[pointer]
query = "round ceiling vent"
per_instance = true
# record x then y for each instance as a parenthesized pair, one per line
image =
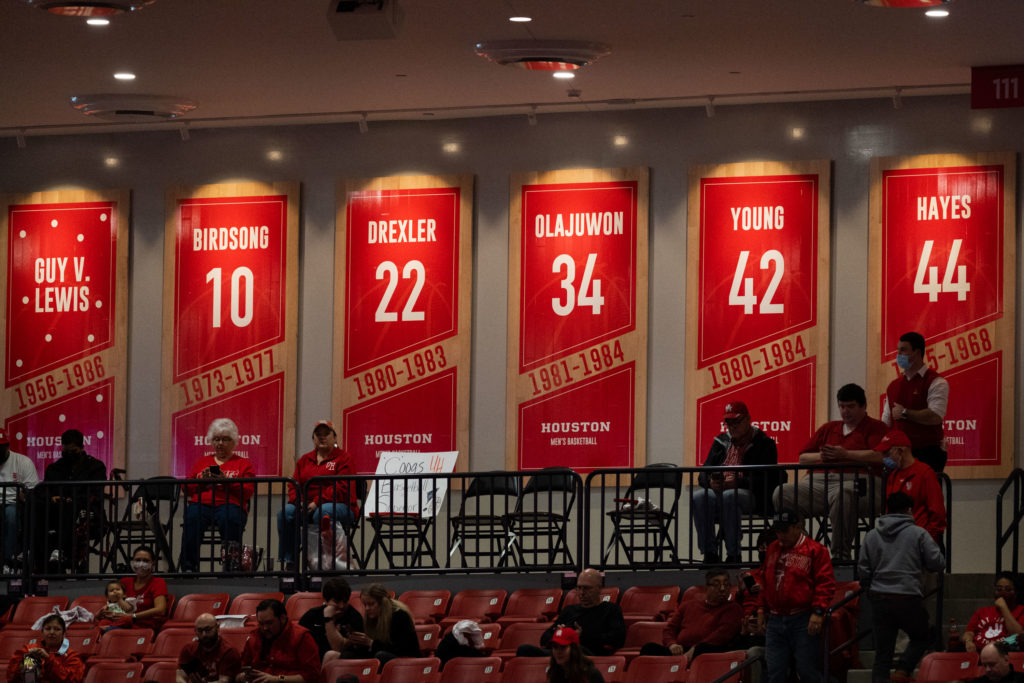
(132, 108)
(543, 55)
(87, 8)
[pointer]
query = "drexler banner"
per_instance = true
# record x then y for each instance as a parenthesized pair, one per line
(577, 353)
(230, 318)
(943, 264)
(402, 316)
(65, 275)
(757, 301)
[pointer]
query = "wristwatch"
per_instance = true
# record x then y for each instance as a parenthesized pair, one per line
(819, 611)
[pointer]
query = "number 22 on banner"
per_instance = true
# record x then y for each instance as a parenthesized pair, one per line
(390, 270)
(748, 299)
(590, 289)
(932, 287)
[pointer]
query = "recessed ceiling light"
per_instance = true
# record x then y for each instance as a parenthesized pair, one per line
(450, 147)
(124, 76)
(543, 55)
(275, 155)
(937, 13)
(98, 22)
(620, 140)
(564, 75)
(520, 20)
(112, 162)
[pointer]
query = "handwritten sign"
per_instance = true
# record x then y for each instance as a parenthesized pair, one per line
(421, 496)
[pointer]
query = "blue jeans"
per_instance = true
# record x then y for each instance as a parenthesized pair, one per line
(229, 518)
(286, 525)
(785, 637)
(10, 530)
(725, 507)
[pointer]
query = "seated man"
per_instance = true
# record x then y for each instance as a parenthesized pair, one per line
(15, 468)
(601, 625)
(725, 496)
(708, 624)
(331, 623)
(278, 650)
(995, 662)
(209, 657)
(917, 480)
(844, 494)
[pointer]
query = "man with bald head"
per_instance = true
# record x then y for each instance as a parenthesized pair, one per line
(208, 657)
(995, 663)
(600, 624)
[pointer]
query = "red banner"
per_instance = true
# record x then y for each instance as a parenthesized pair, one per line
(231, 328)
(578, 303)
(402, 307)
(757, 305)
(64, 325)
(943, 244)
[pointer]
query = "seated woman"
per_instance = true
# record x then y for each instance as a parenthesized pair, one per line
(224, 505)
(1005, 617)
(568, 663)
(118, 611)
(390, 631)
(148, 592)
(50, 661)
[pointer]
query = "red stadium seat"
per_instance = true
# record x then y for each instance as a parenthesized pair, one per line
(638, 634)
(648, 669)
(245, 603)
(427, 606)
(169, 643)
(412, 670)
(112, 672)
(92, 603)
(236, 637)
(939, 667)
(84, 641)
(363, 669)
(531, 604)
(519, 634)
(357, 603)
(649, 603)
(428, 635)
(526, 670)
(612, 669)
(33, 607)
(712, 665)
(124, 644)
(473, 670)
(300, 603)
(478, 605)
(11, 640)
(164, 671)
(608, 594)
(192, 605)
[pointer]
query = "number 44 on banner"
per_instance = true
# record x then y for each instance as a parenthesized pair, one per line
(931, 286)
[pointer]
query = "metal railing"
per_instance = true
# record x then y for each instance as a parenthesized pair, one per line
(1009, 532)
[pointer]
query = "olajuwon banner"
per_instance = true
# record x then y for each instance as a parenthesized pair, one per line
(65, 275)
(402, 307)
(230, 317)
(577, 353)
(757, 301)
(942, 257)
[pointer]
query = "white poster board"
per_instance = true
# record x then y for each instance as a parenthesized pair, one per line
(420, 496)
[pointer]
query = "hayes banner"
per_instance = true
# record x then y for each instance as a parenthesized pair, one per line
(942, 257)
(757, 301)
(577, 353)
(65, 275)
(402, 307)
(230, 314)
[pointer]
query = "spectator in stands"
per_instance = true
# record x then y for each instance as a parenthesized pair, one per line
(466, 639)
(793, 600)
(74, 509)
(49, 661)
(390, 631)
(278, 651)
(220, 503)
(333, 622)
(917, 480)
(1005, 617)
(568, 663)
(995, 662)
(337, 501)
(118, 611)
(915, 402)
(699, 625)
(724, 496)
(148, 591)
(844, 494)
(15, 468)
(209, 657)
(751, 583)
(601, 624)
(890, 564)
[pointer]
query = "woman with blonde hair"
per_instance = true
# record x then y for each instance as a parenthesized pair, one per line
(390, 631)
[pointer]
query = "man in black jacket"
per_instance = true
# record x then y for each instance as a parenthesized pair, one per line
(600, 624)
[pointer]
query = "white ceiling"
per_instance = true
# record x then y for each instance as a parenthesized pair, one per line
(276, 61)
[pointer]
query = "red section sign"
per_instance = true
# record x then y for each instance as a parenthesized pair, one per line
(757, 300)
(994, 87)
(61, 343)
(573, 381)
(402, 312)
(231, 342)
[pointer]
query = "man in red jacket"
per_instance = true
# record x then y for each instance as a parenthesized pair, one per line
(917, 480)
(799, 584)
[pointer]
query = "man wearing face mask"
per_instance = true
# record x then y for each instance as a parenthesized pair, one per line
(915, 402)
(917, 480)
(15, 468)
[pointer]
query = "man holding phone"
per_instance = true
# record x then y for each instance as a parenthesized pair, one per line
(209, 657)
(331, 623)
(278, 651)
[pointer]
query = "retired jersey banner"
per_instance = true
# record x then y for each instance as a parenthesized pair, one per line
(230, 315)
(757, 301)
(65, 275)
(402, 306)
(942, 257)
(577, 353)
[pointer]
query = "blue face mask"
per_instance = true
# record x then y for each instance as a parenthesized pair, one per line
(888, 463)
(903, 361)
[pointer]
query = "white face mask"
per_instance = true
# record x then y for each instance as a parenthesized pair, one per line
(141, 565)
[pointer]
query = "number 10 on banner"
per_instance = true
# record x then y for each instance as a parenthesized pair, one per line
(589, 293)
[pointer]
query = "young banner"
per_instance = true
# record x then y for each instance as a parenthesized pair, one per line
(757, 301)
(230, 318)
(577, 353)
(942, 257)
(402, 315)
(65, 275)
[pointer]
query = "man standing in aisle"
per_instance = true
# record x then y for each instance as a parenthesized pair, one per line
(799, 584)
(15, 468)
(917, 480)
(915, 403)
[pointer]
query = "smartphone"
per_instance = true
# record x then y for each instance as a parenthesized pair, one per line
(749, 582)
(215, 469)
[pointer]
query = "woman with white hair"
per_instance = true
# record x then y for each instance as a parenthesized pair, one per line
(217, 502)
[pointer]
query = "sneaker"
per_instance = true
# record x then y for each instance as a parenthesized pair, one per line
(733, 559)
(712, 558)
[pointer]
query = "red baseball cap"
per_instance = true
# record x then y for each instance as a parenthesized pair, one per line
(894, 438)
(324, 423)
(736, 409)
(566, 636)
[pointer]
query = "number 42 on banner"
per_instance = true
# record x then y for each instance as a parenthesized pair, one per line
(748, 298)
(932, 287)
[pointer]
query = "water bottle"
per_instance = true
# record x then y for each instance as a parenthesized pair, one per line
(30, 669)
(954, 643)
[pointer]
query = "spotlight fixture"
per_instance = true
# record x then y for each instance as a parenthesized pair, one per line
(88, 8)
(543, 55)
(132, 108)
(904, 3)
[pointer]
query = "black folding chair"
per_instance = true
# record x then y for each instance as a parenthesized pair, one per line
(540, 522)
(480, 529)
(641, 519)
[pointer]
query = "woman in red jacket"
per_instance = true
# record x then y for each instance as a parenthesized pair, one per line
(51, 661)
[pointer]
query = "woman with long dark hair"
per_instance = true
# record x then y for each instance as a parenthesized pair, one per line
(568, 663)
(49, 661)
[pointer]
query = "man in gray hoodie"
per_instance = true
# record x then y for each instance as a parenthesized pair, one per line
(891, 560)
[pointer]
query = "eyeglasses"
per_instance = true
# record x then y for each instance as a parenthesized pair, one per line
(587, 588)
(221, 439)
(720, 584)
(1005, 589)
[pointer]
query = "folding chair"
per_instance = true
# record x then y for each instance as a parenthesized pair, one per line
(539, 525)
(149, 525)
(641, 527)
(402, 536)
(412, 670)
(940, 667)
(480, 529)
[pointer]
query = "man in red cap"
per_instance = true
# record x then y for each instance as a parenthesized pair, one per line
(338, 501)
(15, 468)
(915, 402)
(916, 479)
(725, 495)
